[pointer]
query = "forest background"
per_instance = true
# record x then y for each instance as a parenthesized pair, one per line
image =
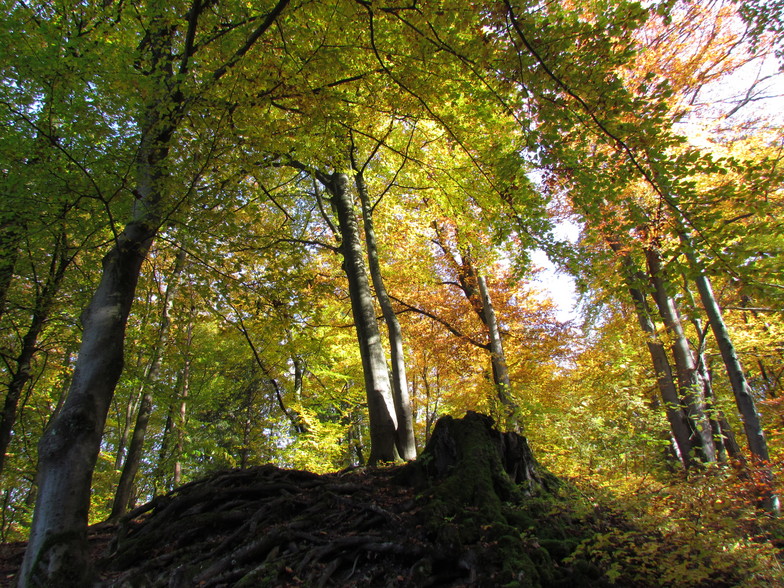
(173, 230)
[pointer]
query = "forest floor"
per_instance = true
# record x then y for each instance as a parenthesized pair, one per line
(442, 521)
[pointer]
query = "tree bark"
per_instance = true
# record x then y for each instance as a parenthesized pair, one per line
(678, 419)
(57, 551)
(42, 307)
(689, 381)
(381, 407)
(500, 370)
(744, 399)
(406, 443)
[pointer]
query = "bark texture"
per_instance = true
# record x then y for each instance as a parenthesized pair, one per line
(406, 443)
(381, 408)
(690, 384)
(665, 379)
(57, 553)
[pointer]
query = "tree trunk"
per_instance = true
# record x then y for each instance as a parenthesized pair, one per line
(10, 236)
(406, 443)
(57, 553)
(679, 421)
(498, 359)
(122, 496)
(381, 408)
(42, 307)
(179, 446)
(475, 289)
(743, 397)
(689, 382)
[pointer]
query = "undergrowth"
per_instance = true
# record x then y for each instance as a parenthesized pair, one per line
(700, 529)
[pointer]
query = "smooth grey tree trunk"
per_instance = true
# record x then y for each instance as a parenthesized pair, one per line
(381, 407)
(691, 386)
(124, 489)
(57, 553)
(744, 399)
(678, 419)
(406, 443)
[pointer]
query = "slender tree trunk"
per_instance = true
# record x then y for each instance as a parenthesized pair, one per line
(406, 443)
(690, 384)
(131, 408)
(42, 307)
(716, 419)
(247, 426)
(124, 492)
(10, 236)
(498, 359)
(135, 396)
(678, 419)
(182, 409)
(744, 399)
(381, 408)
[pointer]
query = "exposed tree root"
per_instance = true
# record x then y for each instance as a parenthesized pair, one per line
(462, 515)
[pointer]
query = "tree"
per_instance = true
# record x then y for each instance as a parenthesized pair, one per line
(406, 444)
(67, 452)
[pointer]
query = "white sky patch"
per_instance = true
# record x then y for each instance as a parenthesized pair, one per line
(555, 283)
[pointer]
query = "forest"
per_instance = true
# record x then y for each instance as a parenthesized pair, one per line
(283, 238)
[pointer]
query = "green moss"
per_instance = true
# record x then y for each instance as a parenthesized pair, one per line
(524, 533)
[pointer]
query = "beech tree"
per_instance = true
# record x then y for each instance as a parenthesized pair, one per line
(67, 452)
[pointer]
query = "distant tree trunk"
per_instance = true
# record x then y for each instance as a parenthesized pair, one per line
(42, 307)
(381, 407)
(135, 395)
(247, 425)
(717, 421)
(406, 444)
(131, 408)
(181, 417)
(124, 492)
(678, 419)
(10, 236)
(475, 289)
(743, 397)
(498, 359)
(691, 386)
